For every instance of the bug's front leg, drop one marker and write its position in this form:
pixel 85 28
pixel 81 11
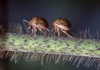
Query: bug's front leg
pixel 26 26
pixel 26 22
pixel 34 30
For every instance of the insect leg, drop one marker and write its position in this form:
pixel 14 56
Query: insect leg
pixel 49 31
pixel 67 34
pixel 42 31
pixel 52 30
pixel 25 26
pixel 55 31
pixel 33 30
pixel 58 31
pixel 25 21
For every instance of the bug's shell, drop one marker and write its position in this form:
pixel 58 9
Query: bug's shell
pixel 63 22
pixel 34 20
pixel 43 22
pixel 39 21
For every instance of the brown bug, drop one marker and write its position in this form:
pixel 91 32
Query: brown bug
pixel 39 23
pixel 62 25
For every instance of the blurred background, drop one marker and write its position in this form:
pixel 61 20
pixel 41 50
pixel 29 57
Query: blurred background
pixel 83 14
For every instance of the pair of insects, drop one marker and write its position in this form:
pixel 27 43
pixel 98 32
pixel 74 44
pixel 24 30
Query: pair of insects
pixel 41 24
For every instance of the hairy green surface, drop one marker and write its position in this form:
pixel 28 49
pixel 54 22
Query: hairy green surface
pixel 46 44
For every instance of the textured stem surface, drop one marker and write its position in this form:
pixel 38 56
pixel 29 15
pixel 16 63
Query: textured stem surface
pixel 64 49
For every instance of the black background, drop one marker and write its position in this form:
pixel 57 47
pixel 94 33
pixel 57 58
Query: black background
pixel 83 14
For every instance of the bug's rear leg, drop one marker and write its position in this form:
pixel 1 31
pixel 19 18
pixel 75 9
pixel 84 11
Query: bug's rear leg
pixel 50 32
pixel 42 31
pixel 67 33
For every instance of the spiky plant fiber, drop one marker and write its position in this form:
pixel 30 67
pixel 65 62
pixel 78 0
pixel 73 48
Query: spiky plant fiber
pixel 61 49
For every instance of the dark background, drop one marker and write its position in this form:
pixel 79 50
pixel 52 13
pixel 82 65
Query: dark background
pixel 83 14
